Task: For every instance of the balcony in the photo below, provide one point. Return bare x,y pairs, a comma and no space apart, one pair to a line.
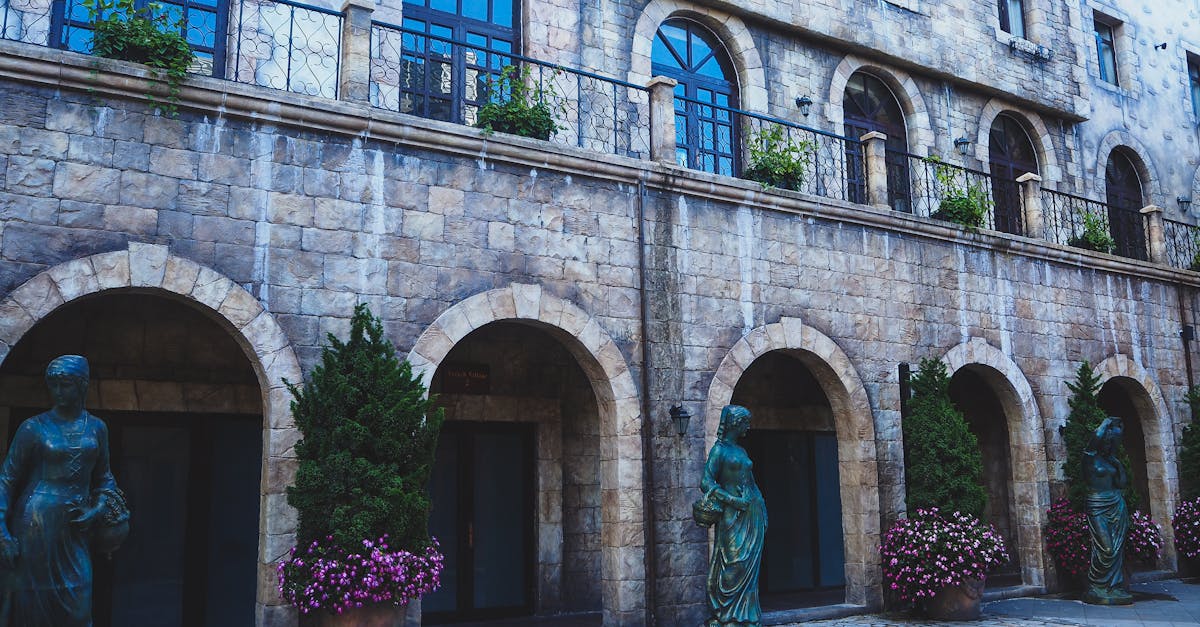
316,52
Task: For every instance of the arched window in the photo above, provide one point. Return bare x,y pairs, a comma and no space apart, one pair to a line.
1010,154
705,136
869,106
1123,188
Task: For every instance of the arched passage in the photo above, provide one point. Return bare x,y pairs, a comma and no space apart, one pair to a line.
988,370
847,402
1128,391
151,270
617,421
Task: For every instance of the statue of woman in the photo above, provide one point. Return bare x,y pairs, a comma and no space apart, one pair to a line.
1108,517
740,529
54,486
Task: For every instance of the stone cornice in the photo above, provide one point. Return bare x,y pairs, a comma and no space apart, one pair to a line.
57,69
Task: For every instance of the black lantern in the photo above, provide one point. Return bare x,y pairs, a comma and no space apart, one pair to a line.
1185,203
962,144
680,418
805,103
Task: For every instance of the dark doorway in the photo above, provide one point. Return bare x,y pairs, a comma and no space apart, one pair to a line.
192,482
1116,399
1123,188
1010,154
482,489
869,106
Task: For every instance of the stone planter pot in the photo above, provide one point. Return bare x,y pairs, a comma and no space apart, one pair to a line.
372,616
956,602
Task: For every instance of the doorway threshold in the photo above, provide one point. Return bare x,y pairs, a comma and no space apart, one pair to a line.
1012,592
805,614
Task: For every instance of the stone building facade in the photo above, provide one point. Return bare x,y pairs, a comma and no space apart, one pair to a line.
199,261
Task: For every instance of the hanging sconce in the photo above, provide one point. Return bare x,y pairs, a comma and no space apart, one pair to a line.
680,416
1185,203
805,104
963,145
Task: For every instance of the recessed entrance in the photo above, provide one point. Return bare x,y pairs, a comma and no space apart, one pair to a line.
1116,398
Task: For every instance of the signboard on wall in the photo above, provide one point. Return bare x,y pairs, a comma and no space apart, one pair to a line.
466,379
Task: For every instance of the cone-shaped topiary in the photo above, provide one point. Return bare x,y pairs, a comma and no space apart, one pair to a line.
1189,452
1085,417
942,464
369,440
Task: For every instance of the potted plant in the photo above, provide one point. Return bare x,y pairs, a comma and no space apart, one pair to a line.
965,203
940,561
519,106
363,546
142,34
777,160
933,557
1095,235
1070,543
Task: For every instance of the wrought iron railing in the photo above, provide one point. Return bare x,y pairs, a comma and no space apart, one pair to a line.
26,20
289,46
772,151
437,77
944,191
1081,222
1183,244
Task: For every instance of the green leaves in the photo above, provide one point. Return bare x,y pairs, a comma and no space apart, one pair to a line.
942,464
519,105
1095,235
369,439
966,203
1085,417
1189,452
776,159
144,35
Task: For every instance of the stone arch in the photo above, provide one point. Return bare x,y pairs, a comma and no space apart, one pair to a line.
620,417
730,31
1151,183
1027,447
857,461
1155,418
904,88
152,268
1034,126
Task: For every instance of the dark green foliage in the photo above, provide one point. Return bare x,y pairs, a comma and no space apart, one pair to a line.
1085,417
963,201
942,463
518,106
369,440
1095,235
776,159
144,35
1189,453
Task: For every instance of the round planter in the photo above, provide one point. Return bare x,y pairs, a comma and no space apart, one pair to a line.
370,616
956,602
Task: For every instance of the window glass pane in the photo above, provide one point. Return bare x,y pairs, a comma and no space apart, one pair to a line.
676,37
502,13
700,49
475,10
449,6
1194,83
1105,51
1016,17
712,68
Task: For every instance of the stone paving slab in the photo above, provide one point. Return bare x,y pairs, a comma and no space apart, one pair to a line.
1167,603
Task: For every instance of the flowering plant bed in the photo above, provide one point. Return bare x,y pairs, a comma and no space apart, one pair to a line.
931,551
1069,541
1187,528
325,576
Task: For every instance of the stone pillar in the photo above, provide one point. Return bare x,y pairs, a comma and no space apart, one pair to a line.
662,119
875,168
1155,235
355,74
1031,198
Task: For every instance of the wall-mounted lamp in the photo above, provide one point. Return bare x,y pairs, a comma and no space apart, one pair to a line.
1162,46
963,145
680,417
1185,203
805,103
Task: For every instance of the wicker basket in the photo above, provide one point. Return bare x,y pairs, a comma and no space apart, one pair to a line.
706,511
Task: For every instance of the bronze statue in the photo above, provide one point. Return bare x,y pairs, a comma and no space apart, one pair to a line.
1108,516
57,496
734,505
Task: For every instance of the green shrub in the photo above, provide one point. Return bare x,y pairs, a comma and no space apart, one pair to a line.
942,464
143,35
777,160
1189,451
964,203
1085,417
1095,235
369,440
519,106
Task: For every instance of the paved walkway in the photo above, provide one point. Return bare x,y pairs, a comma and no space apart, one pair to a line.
1168,603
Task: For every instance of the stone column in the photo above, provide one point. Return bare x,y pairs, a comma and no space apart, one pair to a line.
355,79
875,168
662,119
1031,198
1154,231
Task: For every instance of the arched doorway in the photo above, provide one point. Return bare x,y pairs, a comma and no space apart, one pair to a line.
706,137
1010,154
1120,396
184,411
1123,189
972,393
794,446
869,106
516,482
